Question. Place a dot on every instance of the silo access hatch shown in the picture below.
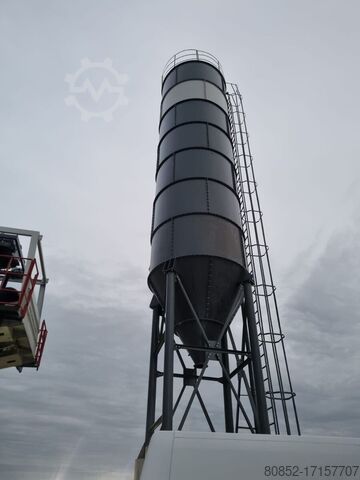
(22, 289)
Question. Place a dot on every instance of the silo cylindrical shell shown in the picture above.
(196, 224)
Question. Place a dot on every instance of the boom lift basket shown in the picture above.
(22, 288)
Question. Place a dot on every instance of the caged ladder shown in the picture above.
(278, 387)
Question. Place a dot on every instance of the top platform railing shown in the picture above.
(188, 55)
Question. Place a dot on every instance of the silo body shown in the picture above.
(196, 215)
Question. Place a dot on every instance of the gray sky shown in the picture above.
(89, 186)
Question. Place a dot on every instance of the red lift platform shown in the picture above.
(22, 290)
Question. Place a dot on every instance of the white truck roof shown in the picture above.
(174, 455)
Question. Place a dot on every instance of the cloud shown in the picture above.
(323, 327)
(83, 412)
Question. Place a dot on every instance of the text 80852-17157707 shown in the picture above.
(314, 471)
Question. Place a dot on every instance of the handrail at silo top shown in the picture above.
(188, 55)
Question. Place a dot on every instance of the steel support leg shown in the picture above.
(167, 415)
(263, 418)
(151, 402)
(250, 367)
(228, 410)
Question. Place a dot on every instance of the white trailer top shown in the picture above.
(178, 455)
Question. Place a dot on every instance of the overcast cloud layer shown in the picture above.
(88, 187)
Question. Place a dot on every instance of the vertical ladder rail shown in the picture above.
(249, 256)
(278, 384)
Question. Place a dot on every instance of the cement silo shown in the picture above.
(209, 264)
(196, 218)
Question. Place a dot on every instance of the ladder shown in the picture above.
(278, 388)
